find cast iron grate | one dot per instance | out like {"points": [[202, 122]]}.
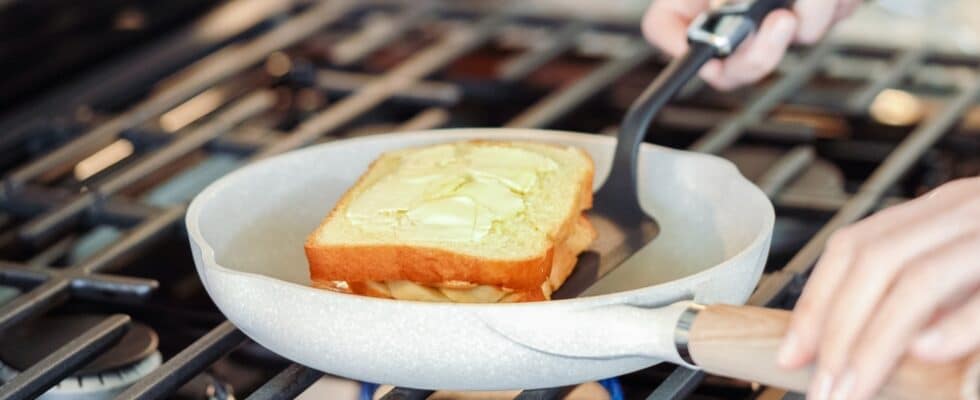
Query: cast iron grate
{"points": [[290, 75]]}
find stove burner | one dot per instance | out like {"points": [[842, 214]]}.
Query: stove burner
{"points": [[133, 357], [29, 343]]}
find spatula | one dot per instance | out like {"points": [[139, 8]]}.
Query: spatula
{"points": [[623, 227]]}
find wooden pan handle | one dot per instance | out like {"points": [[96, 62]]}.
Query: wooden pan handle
{"points": [[741, 342]]}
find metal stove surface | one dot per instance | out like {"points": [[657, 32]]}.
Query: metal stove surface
{"points": [[97, 172]]}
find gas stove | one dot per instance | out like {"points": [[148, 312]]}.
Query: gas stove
{"points": [[99, 296]]}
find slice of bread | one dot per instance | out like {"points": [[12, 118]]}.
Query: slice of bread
{"points": [[477, 221]]}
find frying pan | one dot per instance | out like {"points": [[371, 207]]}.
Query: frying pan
{"points": [[247, 229]]}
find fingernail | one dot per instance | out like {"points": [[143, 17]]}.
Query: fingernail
{"points": [[844, 386], [929, 342], [786, 350], [823, 386], [784, 30]]}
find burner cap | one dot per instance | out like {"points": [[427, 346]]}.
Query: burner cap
{"points": [[28, 343]]}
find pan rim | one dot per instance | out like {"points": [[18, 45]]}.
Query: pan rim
{"points": [[210, 263]]}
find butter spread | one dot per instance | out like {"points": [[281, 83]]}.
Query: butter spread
{"points": [[449, 192]]}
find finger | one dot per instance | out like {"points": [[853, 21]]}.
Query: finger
{"points": [[954, 336], [810, 315], [760, 54], [711, 73], [932, 279], [799, 345], [845, 8], [815, 17], [877, 264], [665, 23]]}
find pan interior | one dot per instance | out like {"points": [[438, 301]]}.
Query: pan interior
{"points": [[269, 208]]}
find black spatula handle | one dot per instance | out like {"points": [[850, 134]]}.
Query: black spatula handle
{"points": [[758, 9], [713, 34], [725, 27]]}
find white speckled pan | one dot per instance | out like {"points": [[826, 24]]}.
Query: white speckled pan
{"points": [[247, 231]]}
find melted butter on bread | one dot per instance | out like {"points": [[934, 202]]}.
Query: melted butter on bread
{"points": [[450, 193]]}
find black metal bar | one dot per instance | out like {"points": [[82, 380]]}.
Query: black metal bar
{"points": [[135, 240], [354, 48], [906, 62], [147, 137], [7, 239], [770, 290], [189, 362], [727, 133], [427, 92], [287, 384], [242, 146], [37, 300], [521, 66], [407, 394], [122, 212], [112, 287], [563, 101], [54, 367], [435, 57], [189, 82], [56, 220], [32, 200], [932, 57], [786, 168], [51, 253], [678, 384], [13, 274], [545, 394]]}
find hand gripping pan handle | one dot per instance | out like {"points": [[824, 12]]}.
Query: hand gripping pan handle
{"points": [[742, 342], [739, 342]]}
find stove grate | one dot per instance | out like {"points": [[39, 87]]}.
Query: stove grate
{"points": [[43, 210]]}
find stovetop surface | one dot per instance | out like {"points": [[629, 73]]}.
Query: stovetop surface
{"points": [[97, 171]]}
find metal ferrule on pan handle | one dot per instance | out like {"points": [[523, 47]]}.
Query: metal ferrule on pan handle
{"points": [[682, 332], [722, 28]]}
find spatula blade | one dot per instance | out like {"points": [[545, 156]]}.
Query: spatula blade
{"points": [[615, 244]]}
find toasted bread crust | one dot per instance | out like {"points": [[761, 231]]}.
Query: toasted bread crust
{"points": [[423, 265], [430, 266], [566, 255]]}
